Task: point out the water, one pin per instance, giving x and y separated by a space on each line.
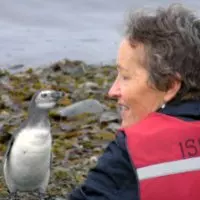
35 32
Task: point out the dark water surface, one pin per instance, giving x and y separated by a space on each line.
35 32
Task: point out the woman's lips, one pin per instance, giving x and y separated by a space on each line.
123 107
123 110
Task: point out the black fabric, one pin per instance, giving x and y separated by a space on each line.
114 177
187 110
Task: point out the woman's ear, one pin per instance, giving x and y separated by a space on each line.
173 90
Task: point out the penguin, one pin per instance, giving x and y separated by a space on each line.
26 165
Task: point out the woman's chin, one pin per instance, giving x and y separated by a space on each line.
128 120
126 123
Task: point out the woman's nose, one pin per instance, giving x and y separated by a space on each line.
114 91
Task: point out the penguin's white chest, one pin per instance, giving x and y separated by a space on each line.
31 153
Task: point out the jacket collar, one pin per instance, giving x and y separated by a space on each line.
186 110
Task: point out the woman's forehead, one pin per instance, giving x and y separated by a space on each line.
128 54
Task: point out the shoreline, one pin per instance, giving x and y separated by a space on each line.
17 68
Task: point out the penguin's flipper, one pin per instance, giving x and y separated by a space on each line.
11 141
9 146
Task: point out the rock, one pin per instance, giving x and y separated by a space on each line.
89 86
99 76
87 90
16 67
72 134
69 143
93 159
87 145
6 100
90 106
8 103
58 198
71 87
4 115
16 119
75 69
97 149
85 138
5 83
66 127
79 94
58 65
1 128
60 170
104 136
113 127
3 73
73 156
109 117
38 71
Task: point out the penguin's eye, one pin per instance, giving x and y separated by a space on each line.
43 95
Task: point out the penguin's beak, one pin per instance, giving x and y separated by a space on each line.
57 95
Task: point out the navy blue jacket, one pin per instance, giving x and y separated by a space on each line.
114 177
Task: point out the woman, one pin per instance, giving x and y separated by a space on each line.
156 154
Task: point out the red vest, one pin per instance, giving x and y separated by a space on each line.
166 154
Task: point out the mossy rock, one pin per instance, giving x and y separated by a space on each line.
61 87
4 73
100 81
38 85
22 94
72 134
3 148
60 146
79 178
87 144
111 104
15 81
59 152
53 114
60 173
65 102
7 128
82 116
68 144
29 71
106 136
80 81
62 79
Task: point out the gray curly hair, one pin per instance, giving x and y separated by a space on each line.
171 38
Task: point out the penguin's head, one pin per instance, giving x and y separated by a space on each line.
47 99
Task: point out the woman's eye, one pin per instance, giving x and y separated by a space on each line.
125 77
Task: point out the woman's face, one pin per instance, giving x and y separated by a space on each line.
136 97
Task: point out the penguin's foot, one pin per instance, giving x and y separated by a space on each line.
13 196
41 195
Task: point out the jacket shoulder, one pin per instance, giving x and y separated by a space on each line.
156 122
